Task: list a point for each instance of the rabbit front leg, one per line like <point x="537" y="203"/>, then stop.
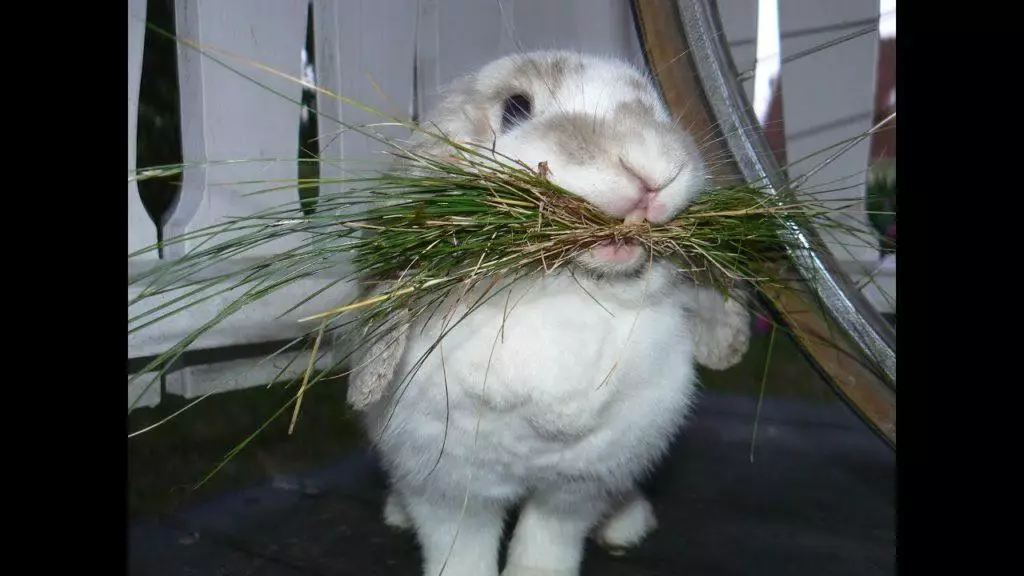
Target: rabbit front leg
<point x="457" y="536"/>
<point x="395" y="514"/>
<point x="551" y="532"/>
<point x="631" y="521"/>
<point x="721" y="327"/>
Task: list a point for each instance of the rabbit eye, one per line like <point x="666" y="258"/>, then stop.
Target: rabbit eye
<point x="517" y="109"/>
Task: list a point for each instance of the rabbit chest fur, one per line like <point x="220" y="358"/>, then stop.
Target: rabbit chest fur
<point x="560" y="378"/>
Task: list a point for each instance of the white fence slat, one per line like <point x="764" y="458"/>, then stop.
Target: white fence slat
<point x="364" y="52"/>
<point x="455" y="37"/>
<point x="827" y="98"/>
<point x="141" y="230"/>
<point x="194" y="381"/>
<point x="256" y="323"/>
<point x="226" y="117"/>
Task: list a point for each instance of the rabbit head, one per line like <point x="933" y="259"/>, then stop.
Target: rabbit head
<point x="598" y="124"/>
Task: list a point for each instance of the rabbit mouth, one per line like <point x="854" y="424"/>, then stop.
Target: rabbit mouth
<point x="638" y="215"/>
<point x="618" y="251"/>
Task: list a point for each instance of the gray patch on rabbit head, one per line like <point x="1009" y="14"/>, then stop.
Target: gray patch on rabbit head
<point x="636" y="112"/>
<point x="578" y="138"/>
<point x="583" y="139"/>
<point x="640" y="84"/>
<point x="550" y="72"/>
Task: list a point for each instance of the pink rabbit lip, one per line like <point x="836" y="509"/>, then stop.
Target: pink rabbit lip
<point x="617" y="251"/>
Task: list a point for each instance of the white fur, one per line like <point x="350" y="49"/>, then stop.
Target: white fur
<point x="395" y="514"/>
<point x="577" y="404"/>
<point x="629" y="525"/>
<point x="664" y="155"/>
<point x="624" y="528"/>
<point x="563" y="391"/>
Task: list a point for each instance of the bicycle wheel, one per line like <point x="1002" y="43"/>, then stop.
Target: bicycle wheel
<point x="685" y="48"/>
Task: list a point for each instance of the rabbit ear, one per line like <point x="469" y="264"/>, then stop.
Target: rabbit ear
<point x="375" y="370"/>
<point x="376" y="359"/>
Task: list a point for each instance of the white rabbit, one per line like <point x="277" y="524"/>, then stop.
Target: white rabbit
<point x="563" y="395"/>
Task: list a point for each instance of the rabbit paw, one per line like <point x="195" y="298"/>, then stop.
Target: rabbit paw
<point x="722" y="341"/>
<point x="395" y="515"/>
<point x="627" y="527"/>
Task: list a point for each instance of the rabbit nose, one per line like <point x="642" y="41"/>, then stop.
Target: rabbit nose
<point x="651" y="183"/>
<point x="647" y="206"/>
<point x="639" y="212"/>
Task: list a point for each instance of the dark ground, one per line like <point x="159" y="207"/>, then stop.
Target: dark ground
<point x="818" y="498"/>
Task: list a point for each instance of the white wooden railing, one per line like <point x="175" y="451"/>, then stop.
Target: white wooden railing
<point x="366" y="50"/>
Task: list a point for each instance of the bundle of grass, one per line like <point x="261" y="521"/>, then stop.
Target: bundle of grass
<point x="459" y="221"/>
<point x="416" y="237"/>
